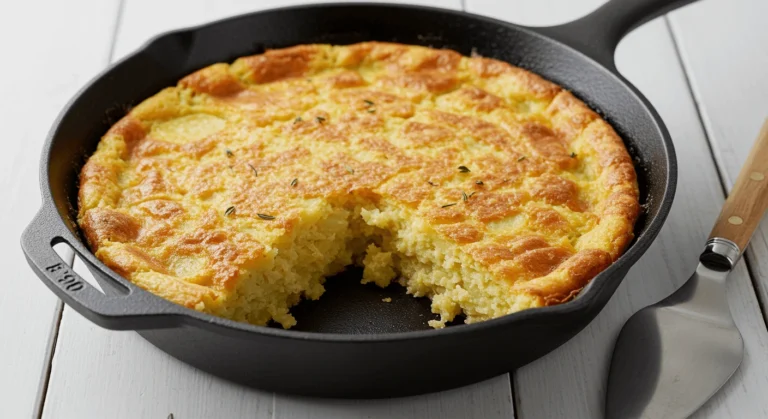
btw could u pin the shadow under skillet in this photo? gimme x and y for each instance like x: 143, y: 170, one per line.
x: 349, y: 307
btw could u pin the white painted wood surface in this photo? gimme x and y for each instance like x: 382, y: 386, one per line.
x: 730, y: 82
x: 45, y: 60
x: 98, y: 373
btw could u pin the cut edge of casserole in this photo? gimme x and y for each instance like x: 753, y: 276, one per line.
x: 466, y: 179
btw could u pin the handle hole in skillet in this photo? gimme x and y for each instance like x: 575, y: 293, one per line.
x: 68, y: 256
x: 79, y: 267
x: 65, y: 252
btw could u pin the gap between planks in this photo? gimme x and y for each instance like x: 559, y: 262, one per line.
x: 722, y: 170
x: 70, y: 260
x: 570, y: 382
x: 470, y: 401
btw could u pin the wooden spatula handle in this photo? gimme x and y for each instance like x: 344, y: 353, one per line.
x: 748, y: 199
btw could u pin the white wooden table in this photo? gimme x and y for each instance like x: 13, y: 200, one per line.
x: 704, y: 67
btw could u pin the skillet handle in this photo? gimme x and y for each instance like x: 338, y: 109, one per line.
x: 598, y: 33
x: 133, y: 310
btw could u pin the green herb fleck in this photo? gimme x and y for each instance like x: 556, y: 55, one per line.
x: 253, y: 169
x: 431, y: 183
x: 464, y: 169
x: 371, y: 110
x: 349, y: 169
x: 266, y: 216
x: 297, y: 120
x: 295, y: 182
x: 320, y: 119
x: 448, y: 205
x: 464, y: 196
x: 368, y: 102
x: 229, y: 152
x: 229, y: 211
x: 478, y: 182
x: 573, y: 155
x: 470, y: 195
x: 521, y: 158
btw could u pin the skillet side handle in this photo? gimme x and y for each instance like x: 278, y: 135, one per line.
x: 131, y: 311
x: 598, y: 33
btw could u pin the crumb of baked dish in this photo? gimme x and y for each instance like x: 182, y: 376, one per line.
x: 467, y: 180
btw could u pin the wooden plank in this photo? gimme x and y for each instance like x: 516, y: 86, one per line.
x: 196, y: 12
x: 724, y: 47
x: 491, y: 399
x: 570, y: 382
x: 99, y: 373
x: 50, y: 50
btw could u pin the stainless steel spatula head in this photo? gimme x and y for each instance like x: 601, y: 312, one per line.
x: 671, y: 357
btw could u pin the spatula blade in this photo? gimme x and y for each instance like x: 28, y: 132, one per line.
x: 671, y: 358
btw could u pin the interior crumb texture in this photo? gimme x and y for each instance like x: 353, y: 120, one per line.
x: 467, y: 180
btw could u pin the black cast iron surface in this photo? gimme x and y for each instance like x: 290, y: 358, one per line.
x: 351, y: 343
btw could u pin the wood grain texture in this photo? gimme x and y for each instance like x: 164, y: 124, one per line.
x: 143, y: 22
x: 570, y: 382
x: 724, y: 47
x: 748, y: 198
x: 491, y: 399
x: 46, y: 59
x: 100, y: 373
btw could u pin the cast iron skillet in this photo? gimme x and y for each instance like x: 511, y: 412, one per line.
x: 350, y: 343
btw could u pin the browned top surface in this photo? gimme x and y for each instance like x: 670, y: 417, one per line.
x: 515, y: 170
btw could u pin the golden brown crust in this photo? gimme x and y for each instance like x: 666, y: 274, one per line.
x: 580, y: 268
x: 513, y: 170
x: 282, y: 64
x: 215, y: 80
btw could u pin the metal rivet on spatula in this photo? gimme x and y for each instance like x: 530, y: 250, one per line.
x: 735, y: 220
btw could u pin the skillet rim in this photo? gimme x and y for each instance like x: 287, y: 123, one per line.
x: 183, y: 316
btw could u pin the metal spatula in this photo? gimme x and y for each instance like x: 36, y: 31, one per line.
x: 671, y: 357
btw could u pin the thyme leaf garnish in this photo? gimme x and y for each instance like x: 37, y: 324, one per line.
x: 255, y: 172
x: 521, y: 158
x: 464, y: 196
x: 573, y: 155
x: 229, y: 152
x: 320, y: 119
x: 368, y: 102
x: 295, y: 182
x: 266, y: 216
x: 349, y: 169
x: 478, y: 182
x: 229, y: 211
x: 431, y: 183
x: 464, y: 169
x: 297, y: 120
x: 448, y: 205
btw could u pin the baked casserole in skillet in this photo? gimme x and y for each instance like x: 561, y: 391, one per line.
x: 473, y: 182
